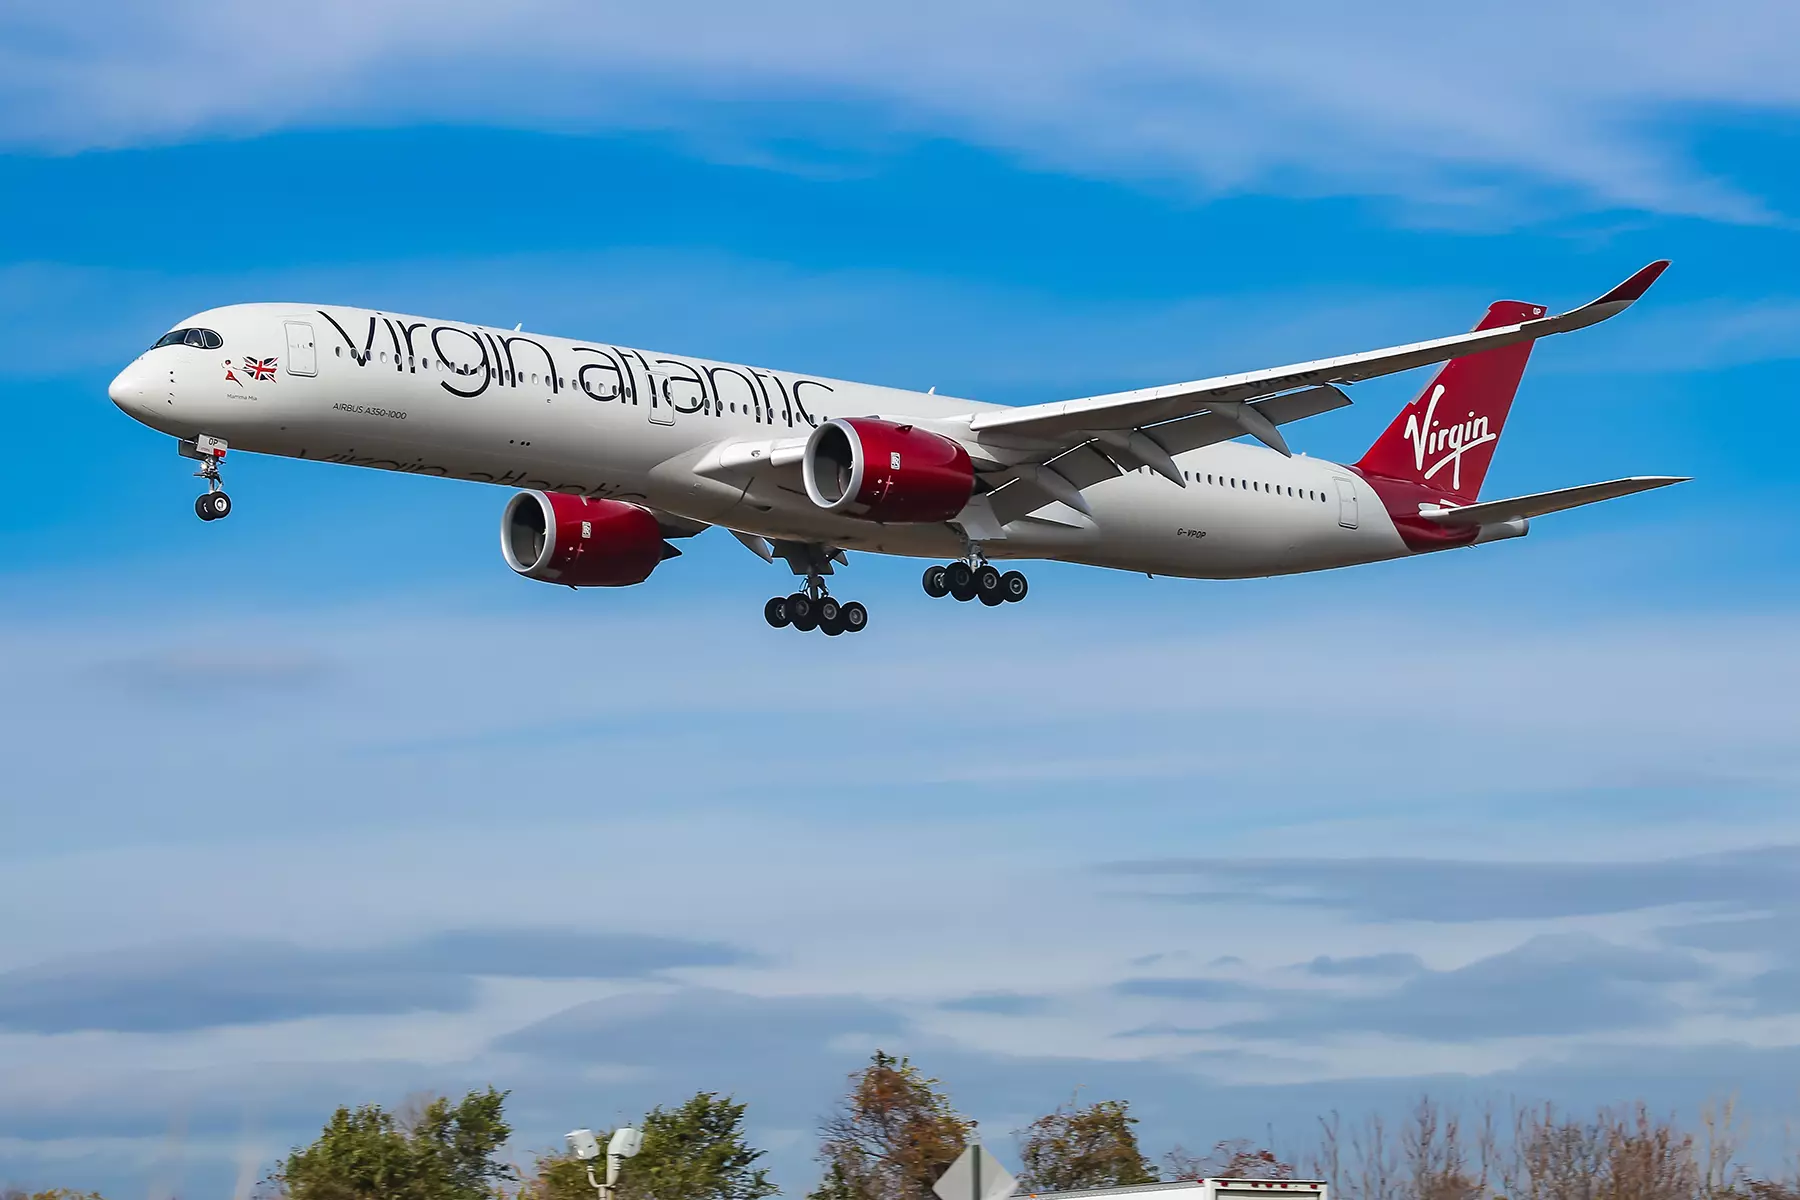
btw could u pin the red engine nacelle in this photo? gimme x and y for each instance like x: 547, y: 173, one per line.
x: 579, y: 542
x: 886, y: 472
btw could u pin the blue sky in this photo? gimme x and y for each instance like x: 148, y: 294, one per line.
x: 321, y: 804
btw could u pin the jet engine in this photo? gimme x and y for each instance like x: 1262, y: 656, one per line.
x: 579, y: 542
x: 886, y: 472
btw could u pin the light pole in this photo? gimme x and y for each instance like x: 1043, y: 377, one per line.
x: 623, y: 1144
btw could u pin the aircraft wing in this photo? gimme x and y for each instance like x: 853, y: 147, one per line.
x: 1066, y: 420
x: 1493, y: 511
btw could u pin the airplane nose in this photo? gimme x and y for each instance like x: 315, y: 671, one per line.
x: 128, y: 390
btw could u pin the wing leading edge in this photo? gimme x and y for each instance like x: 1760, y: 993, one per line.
x: 1060, y: 420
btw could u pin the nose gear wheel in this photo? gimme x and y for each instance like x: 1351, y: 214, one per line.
x: 209, y: 452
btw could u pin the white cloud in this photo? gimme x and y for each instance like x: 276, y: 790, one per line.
x: 1452, y: 109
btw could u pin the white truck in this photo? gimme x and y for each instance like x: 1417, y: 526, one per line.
x: 1199, y: 1189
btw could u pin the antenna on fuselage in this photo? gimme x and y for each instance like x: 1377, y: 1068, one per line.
x: 518, y: 327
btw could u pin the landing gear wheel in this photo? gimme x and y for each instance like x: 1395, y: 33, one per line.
x: 828, y: 615
x: 775, y: 612
x: 853, y: 617
x: 1013, y: 586
x: 991, y: 599
x: 213, y: 506
x: 987, y: 583
x: 832, y: 628
x: 802, y: 613
x: 937, y: 582
x: 959, y: 575
x: 964, y: 593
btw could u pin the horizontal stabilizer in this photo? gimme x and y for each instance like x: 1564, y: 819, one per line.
x: 1495, y: 511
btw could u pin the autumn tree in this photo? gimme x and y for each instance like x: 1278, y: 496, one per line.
x: 891, y: 1137
x: 1628, y: 1155
x: 1234, y: 1158
x: 444, y: 1151
x: 1073, y: 1149
x: 697, y: 1151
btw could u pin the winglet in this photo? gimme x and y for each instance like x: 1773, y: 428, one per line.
x: 1613, y: 303
x: 1633, y: 288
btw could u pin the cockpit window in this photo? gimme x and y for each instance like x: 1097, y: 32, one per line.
x: 204, y: 339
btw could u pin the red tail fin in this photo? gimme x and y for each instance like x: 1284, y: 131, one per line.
x: 1446, y: 438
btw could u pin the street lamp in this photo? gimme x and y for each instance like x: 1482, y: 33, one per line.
x: 623, y: 1144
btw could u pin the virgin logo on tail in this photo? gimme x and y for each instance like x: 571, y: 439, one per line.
x: 1428, y: 438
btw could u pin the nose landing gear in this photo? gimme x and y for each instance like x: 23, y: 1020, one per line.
x: 214, y: 504
x: 967, y: 582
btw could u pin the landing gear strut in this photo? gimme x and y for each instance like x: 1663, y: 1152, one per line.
x: 213, y: 504
x: 967, y: 582
x: 813, y: 607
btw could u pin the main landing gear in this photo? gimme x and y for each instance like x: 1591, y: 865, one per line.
x: 814, y: 609
x: 213, y: 504
x: 967, y: 582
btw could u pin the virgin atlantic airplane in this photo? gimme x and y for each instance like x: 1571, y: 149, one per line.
x: 616, y: 453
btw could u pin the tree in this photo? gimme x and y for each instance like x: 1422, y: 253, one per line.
x: 445, y: 1152
x: 1235, y: 1158
x: 892, y: 1136
x: 1073, y: 1149
x: 694, y: 1152
x: 698, y: 1152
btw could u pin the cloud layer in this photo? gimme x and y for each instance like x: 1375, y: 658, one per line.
x: 163, y: 989
x: 1400, y: 889
x: 1300, y: 96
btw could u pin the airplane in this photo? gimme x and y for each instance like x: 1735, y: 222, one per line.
x: 617, y: 453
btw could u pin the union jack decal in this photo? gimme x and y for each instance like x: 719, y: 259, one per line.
x: 260, y: 368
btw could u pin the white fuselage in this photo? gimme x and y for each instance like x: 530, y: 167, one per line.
x: 429, y: 397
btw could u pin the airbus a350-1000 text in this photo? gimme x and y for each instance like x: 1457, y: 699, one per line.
x: 616, y: 454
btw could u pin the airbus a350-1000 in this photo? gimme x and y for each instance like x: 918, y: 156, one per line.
x: 617, y: 453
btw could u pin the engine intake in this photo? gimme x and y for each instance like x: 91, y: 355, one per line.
x: 579, y: 542
x: 886, y: 472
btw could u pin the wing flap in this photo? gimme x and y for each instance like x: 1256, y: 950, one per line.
x: 1204, y: 429
x: 1086, y: 464
x: 1542, y: 503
